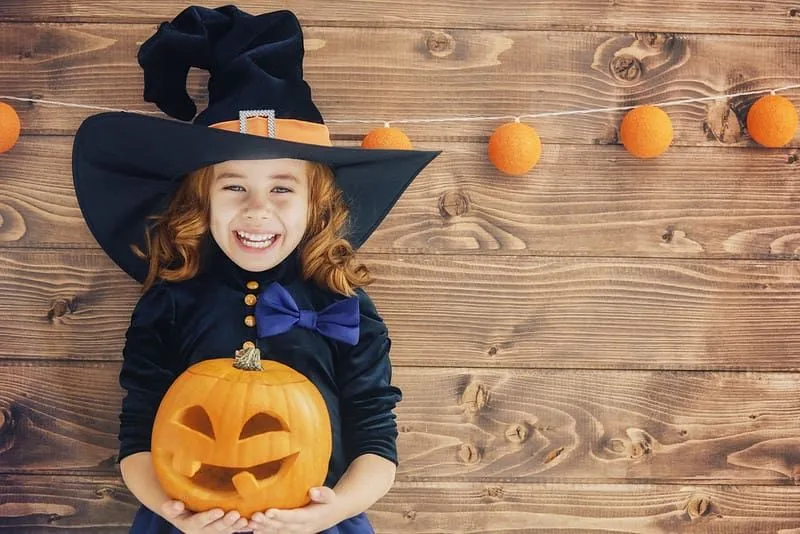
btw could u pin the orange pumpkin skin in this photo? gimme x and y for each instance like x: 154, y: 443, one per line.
x: 239, y: 439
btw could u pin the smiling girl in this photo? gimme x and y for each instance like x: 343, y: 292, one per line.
x: 211, y: 215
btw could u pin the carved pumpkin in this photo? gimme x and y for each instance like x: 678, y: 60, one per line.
x: 246, y: 436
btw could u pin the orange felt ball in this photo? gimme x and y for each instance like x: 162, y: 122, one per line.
x: 772, y: 121
x: 388, y: 137
x: 9, y: 127
x: 646, y: 131
x: 514, y: 148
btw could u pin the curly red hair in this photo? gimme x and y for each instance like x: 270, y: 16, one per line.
x: 174, y: 239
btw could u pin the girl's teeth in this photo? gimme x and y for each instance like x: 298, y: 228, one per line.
x: 255, y: 237
x: 256, y: 241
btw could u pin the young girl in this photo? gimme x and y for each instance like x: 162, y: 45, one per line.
x: 211, y: 216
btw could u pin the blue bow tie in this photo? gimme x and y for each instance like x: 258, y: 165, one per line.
x: 277, y: 312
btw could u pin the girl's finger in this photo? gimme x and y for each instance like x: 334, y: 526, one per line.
x: 272, y: 525
x: 203, y: 519
x: 238, y: 526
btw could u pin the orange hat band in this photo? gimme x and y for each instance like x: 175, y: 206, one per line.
x: 285, y: 129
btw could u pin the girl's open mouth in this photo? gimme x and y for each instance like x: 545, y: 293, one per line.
x: 255, y: 242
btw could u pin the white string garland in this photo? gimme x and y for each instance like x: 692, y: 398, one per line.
x: 515, y: 148
x: 387, y: 123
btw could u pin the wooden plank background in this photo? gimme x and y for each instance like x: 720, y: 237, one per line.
x: 602, y: 345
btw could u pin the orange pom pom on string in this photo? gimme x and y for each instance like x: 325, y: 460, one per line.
x: 9, y: 127
x: 646, y: 131
x: 772, y: 121
x: 514, y: 148
x: 387, y: 137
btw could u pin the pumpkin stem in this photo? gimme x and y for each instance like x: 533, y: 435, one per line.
x: 248, y: 359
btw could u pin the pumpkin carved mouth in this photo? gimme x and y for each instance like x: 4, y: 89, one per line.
x: 237, y: 480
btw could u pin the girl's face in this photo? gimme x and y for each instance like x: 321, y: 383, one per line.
x: 259, y: 210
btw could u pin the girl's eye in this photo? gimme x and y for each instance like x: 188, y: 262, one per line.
x: 233, y: 188
x: 281, y: 189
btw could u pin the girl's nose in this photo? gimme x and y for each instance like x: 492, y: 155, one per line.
x: 258, y: 208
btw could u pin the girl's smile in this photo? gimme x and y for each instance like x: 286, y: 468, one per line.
x: 254, y: 242
x: 259, y: 210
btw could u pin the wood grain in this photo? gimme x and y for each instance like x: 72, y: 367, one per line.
x: 389, y: 74
x: 579, y: 201
x: 487, y: 312
x: 602, y: 345
x: 565, y: 508
x: 717, y: 16
x: 476, y: 425
x: 35, y: 504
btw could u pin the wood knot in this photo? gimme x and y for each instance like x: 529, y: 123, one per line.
x: 495, y: 492
x: 469, y: 454
x: 440, y: 44
x: 626, y: 68
x: 552, y: 455
x: 475, y: 397
x: 60, y: 307
x: 32, y: 97
x: 659, y: 41
x: 641, y: 448
x: 8, y: 424
x: 794, y: 12
x: 617, y: 445
x: 722, y: 123
x: 411, y: 515
x: 517, y: 433
x: 492, y: 351
x: 610, y: 137
x: 791, y: 159
x: 105, y: 492
x: 698, y: 506
x: 12, y: 225
x: 453, y: 204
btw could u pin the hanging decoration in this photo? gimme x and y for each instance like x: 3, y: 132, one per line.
x: 514, y: 147
x: 646, y: 131
x: 387, y: 137
x: 772, y: 121
x: 9, y: 127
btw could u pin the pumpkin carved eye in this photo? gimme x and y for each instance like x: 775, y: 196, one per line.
x: 196, y: 418
x: 261, y: 423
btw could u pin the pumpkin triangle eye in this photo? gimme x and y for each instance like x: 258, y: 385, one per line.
x: 196, y: 418
x: 261, y: 423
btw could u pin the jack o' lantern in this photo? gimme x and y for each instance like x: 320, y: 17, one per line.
x: 246, y: 436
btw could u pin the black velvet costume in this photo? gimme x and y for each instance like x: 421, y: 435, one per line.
x: 177, y: 324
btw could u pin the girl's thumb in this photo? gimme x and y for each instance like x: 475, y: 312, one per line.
x: 322, y: 494
x: 173, y: 508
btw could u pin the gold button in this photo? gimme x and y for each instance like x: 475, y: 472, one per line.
x: 248, y: 345
x: 250, y: 300
x: 252, y: 284
x: 250, y: 321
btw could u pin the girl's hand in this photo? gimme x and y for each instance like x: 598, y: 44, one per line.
x: 318, y: 515
x: 211, y: 521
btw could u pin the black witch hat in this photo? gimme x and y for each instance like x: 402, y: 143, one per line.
x: 126, y: 166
